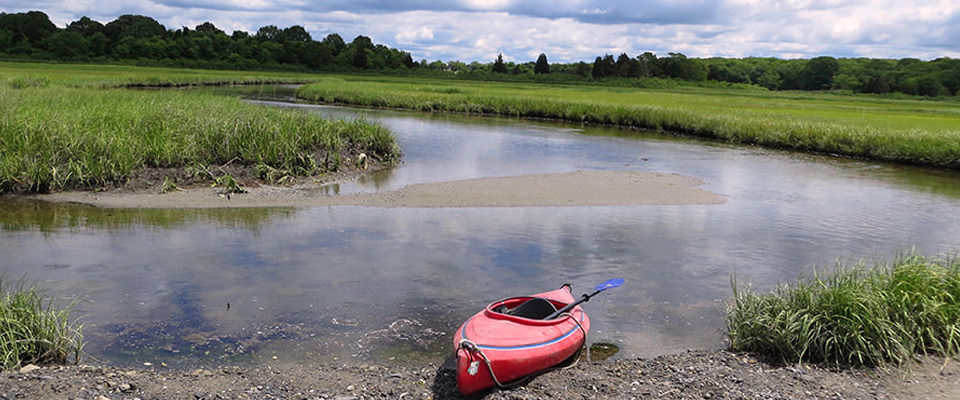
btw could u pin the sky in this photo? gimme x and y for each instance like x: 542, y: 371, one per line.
x: 571, y: 30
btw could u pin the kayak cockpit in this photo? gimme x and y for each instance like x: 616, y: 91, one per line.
x: 529, y: 307
x: 530, y: 310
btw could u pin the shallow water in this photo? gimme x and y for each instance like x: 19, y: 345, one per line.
x: 358, y: 284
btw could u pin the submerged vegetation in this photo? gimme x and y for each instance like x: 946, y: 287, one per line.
x: 856, y: 316
x: 55, y: 136
x: 33, y: 330
x: 906, y: 131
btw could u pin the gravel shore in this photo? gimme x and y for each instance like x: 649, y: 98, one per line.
x: 712, y: 374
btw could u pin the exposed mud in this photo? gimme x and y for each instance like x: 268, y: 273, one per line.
x: 580, y: 188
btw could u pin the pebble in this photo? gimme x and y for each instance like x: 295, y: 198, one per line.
x: 28, y: 368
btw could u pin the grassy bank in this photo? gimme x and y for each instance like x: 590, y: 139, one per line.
x: 906, y: 131
x: 33, y: 330
x: 856, y: 316
x: 56, y: 136
x: 19, y: 75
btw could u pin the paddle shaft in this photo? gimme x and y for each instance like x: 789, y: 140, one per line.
x: 570, y: 306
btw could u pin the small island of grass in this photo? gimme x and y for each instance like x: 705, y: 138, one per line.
x: 57, y: 134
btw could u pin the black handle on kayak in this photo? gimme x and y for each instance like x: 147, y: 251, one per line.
x: 586, y: 297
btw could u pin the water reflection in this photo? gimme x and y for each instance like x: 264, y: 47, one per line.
x: 357, y: 283
x: 24, y: 214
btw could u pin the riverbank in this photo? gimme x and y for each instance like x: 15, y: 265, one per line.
x: 715, y: 374
x: 901, y: 131
x: 578, y: 188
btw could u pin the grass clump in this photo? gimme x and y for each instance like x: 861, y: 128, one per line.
x: 34, y: 331
x: 856, y: 316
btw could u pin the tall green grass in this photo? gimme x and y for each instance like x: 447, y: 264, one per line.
x: 906, y: 131
x: 20, y: 74
x: 33, y: 330
x: 855, y: 316
x: 57, y: 137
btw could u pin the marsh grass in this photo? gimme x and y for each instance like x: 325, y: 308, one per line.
x: 56, y: 138
x: 906, y: 131
x: 855, y: 316
x: 33, y: 330
x: 23, y: 74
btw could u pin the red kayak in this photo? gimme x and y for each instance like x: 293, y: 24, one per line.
x: 511, y: 339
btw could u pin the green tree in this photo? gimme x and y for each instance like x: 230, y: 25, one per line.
x: 582, y: 69
x: 769, y: 79
x: 679, y: 66
x: 269, y: 33
x: 209, y: 29
x: 818, y: 73
x: 133, y: 26
x: 296, y: 33
x: 876, y: 84
x: 542, y: 67
x: 66, y: 44
x: 85, y: 26
x: 498, y: 66
x: 6, y: 39
x: 604, y: 66
x: 844, y: 81
x: 648, y: 65
x: 361, y: 49
x: 30, y: 27
x: 335, y: 43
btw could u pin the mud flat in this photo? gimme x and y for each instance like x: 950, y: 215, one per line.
x: 579, y: 188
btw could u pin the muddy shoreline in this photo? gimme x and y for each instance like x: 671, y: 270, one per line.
x: 714, y: 374
x: 578, y: 188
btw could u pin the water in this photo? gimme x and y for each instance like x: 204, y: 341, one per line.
x: 351, y: 284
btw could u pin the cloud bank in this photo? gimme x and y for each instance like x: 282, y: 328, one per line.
x: 574, y: 30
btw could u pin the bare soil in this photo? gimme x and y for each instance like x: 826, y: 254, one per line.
x: 692, y: 375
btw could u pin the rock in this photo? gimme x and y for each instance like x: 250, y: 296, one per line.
x: 26, y: 369
x: 125, y: 387
x: 102, y: 397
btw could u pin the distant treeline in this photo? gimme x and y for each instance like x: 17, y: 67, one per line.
x: 142, y: 40
x: 937, y: 78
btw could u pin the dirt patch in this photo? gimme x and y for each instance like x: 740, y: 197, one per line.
x: 580, y: 188
x: 691, y: 375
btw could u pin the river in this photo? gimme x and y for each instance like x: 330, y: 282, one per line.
x: 351, y: 284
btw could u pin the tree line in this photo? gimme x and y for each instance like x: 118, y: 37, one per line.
x: 32, y: 35
x: 142, y: 39
x: 935, y: 78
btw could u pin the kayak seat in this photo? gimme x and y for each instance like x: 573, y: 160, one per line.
x: 535, y: 308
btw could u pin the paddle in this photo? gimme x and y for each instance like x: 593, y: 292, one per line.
x: 601, y: 287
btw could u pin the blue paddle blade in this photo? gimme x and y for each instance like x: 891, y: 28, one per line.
x: 609, y: 284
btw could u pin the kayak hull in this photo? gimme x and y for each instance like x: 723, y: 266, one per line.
x: 516, y: 346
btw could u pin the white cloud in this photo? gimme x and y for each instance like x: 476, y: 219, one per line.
x: 573, y: 30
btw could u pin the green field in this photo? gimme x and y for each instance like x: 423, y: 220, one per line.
x: 112, y: 76
x: 906, y: 131
x: 70, y: 127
